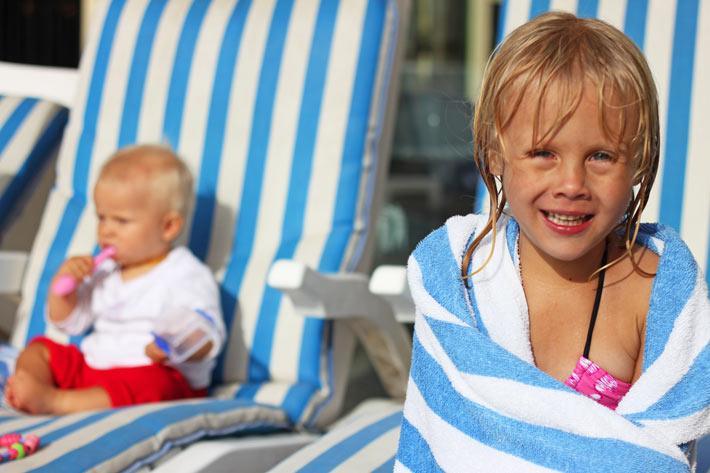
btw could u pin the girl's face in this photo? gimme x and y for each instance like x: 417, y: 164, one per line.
x: 570, y: 191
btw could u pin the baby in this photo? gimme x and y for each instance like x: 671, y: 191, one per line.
x: 141, y: 197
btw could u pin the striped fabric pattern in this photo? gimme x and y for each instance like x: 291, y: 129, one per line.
x: 277, y: 107
x: 30, y: 129
x: 129, y: 438
x: 476, y: 401
x: 364, y: 440
x: 674, y: 35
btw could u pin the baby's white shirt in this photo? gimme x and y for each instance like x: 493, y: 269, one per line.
x: 123, y: 313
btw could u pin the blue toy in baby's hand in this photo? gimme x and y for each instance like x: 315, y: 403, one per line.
x: 184, y: 333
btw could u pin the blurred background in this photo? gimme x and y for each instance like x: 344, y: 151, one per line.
x: 432, y: 175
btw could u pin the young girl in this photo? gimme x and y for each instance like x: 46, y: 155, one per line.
x: 558, y: 318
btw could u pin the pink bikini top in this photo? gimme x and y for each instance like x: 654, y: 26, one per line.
x: 588, y: 377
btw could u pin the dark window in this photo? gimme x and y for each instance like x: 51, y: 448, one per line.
x: 432, y: 174
x: 44, y: 32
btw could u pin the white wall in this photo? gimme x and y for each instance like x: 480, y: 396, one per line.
x: 86, y: 7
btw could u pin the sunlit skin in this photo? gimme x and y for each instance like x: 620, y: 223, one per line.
x: 568, y: 193
x: 142, y: 228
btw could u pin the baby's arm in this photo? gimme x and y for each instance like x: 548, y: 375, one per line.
x: 193, y: 298
x: 60, y: 307
x: 155, y: 353
x: 184, y: 332
x: 202, y: 353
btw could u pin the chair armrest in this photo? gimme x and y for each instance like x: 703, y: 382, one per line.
x: 12, y: 269
x: 57, y: 84
x: 346, y: 296
x: 390, y: 283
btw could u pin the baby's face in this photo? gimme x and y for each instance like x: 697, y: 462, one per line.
x: 131, y: 220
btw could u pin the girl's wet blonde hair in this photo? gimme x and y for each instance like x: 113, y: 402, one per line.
x: 558, y: 51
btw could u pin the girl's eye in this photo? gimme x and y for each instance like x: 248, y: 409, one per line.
x: 601, y: 156
x: 541, y: 153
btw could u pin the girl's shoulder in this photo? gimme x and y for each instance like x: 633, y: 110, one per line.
x: 463, y: 226
x: 455, y: 234
x: 630, y: 281
x: 675, y: 259
x: 658, y: 238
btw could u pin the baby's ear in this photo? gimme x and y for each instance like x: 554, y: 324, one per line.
x: 172, y: 225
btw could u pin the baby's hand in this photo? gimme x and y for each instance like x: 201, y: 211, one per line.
x: 202, y: 352
x: 77, y: 267
x: 153, y: 352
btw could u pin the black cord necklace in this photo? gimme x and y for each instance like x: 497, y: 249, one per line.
x: 597, y: 301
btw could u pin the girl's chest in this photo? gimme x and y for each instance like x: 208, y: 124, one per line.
x: 560, y: 327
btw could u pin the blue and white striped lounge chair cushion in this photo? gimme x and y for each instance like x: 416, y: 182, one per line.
x: 30, y: 129
x: 277, y: 107
x: 365, y: 440
x: 675, y: 38
x: 129, y: 438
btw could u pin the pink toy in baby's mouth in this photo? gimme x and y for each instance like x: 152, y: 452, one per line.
x: 66, y: 284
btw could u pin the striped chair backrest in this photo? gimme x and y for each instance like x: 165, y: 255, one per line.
x: 30, y: 129
x: 675, y: 38
x: 277, y: 107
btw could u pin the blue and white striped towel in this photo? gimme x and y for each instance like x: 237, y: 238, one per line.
x: 476, y: 402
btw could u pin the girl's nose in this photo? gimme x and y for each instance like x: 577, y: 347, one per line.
x: 571, y: 181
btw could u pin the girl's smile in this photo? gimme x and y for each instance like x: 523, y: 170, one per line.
x: 566, y: 223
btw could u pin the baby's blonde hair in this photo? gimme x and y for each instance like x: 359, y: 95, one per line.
x: 163, y: 171
x: 562, y: 52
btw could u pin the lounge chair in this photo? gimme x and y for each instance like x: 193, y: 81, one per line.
x: 283, y: 111
x: 30, y: 131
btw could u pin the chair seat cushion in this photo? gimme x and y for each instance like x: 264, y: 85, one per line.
x: 364, y: 440
x: 132, y: 437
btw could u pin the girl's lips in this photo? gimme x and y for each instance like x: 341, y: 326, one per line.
x: 567, y: 223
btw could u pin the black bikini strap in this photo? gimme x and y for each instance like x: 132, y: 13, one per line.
x: 595, y: 310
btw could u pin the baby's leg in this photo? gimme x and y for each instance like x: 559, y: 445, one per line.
x: 31, y: 388
x: 33, y: 397
x: 33, y: 362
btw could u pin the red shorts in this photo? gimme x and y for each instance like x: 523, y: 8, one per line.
x: 125, y: 386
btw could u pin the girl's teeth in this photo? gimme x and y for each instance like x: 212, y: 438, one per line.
x: 566, y: 219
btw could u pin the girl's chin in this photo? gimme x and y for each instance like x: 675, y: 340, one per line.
x: 568, y: 255
x: 569, y: 250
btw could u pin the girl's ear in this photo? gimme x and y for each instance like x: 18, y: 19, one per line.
x: 495, y: 163
x: 172, y: 225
